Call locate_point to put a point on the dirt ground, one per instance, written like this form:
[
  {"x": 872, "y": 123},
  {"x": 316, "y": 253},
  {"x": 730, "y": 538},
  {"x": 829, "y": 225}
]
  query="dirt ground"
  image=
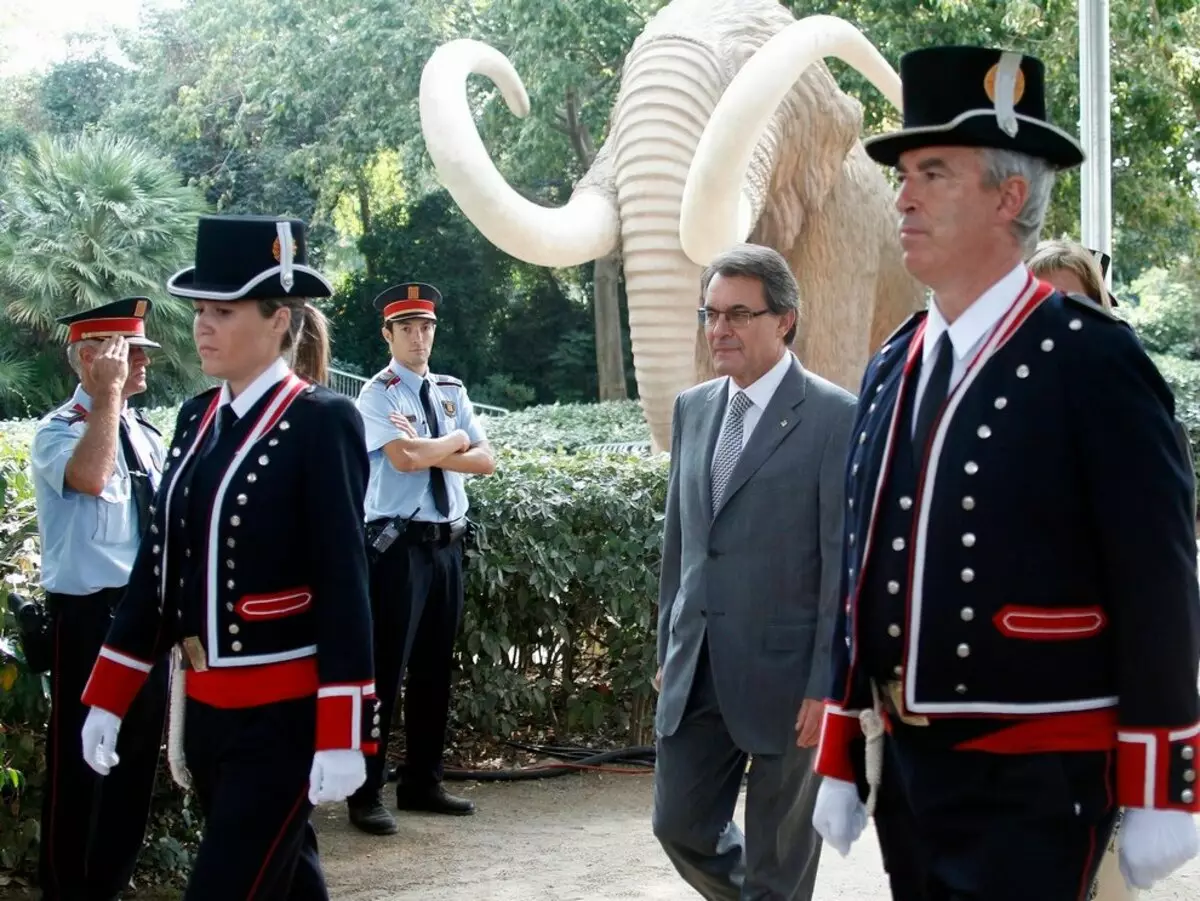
[{"x": 575, "y": 838}]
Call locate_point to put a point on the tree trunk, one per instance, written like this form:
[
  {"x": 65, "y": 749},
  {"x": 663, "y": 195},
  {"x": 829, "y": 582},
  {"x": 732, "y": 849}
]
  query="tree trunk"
[
  {"x": 364, "y": 216},
  {"x": 610, "y": 355}
]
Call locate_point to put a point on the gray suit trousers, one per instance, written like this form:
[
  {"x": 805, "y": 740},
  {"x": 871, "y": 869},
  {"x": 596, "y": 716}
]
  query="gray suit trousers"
[{"x": 697, "y": 779}]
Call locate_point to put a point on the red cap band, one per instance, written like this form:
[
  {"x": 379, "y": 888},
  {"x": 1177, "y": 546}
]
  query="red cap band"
[
  {"x": 124, "y": 327},
  {"x": 407, "y": 306}
]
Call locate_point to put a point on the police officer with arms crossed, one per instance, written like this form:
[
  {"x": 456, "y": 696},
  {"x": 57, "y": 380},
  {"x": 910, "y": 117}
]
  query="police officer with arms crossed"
[
  {"x": 423, "y": 436},
  {"x": 254, "y": 569},
  {"x": 96, "y": 463}
]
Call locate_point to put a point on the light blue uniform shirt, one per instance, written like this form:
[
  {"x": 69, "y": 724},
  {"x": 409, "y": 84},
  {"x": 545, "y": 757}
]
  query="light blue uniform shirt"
[
  {"x": 408, "y": 494},
  {"x": 88, "y": 543}
]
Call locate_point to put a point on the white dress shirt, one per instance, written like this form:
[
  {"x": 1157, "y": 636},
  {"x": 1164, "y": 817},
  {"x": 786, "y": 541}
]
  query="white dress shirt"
[
  {"x": 968, "y": 331},
  {"x": 270, "y": 377},
  {"x": 759, "y": 393}
]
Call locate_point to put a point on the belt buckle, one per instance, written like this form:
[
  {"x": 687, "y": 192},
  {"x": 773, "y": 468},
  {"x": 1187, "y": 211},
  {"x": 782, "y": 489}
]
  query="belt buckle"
[
  {"x": 193, "y": 650},
  {"x": 895, "y": 693}
]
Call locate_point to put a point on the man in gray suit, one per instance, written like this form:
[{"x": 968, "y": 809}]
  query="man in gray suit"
[{"x": 748, "y": 597}]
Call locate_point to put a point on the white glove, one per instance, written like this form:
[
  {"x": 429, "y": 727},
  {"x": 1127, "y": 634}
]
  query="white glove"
[
  {"x": 1154, "y": 844},
  {"x": 100, "y": 740},
  {"x": 838, "y": 815},
  {"x": 335, "y": 775}
]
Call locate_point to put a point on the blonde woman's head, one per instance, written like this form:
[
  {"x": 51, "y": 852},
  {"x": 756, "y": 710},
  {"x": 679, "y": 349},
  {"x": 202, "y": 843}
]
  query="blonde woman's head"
[{"x": 1071, "y": 268}]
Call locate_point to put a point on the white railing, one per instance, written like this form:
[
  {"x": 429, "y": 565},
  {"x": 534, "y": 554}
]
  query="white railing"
[{"x": 349, "y": 384}]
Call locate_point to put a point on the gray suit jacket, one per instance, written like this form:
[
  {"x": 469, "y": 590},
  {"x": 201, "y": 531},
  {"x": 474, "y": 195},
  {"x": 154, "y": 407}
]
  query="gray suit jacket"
[{"x": 760, "y": 575}]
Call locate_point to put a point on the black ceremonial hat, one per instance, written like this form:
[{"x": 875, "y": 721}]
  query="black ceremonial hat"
[
  {"x": 1103, "y": 260},
  {"x": 125, "y": 318},
  {"x": 975, "y": 97},
  {"x": 249, "y": 258},
  {"x": 412, "y": 300}
]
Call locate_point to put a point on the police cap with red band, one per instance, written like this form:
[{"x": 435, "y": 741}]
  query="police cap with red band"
[
  {"x": 125, "y": 318},
  {"x": 412, "y": 300}
]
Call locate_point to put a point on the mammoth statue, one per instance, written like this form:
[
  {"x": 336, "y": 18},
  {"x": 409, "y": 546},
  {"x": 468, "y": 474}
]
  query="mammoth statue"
[{"x": 794, "y": 177}]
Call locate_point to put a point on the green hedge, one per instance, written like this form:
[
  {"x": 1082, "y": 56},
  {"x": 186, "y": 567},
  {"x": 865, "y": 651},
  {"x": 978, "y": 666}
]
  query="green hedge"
[{"x": 558, "y": 630}]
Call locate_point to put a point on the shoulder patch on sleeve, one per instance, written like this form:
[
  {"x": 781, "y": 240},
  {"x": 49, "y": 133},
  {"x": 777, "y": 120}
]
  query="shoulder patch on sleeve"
[
  {"x": 386, "y": 379},
  {"x": 71, "y": 415}
]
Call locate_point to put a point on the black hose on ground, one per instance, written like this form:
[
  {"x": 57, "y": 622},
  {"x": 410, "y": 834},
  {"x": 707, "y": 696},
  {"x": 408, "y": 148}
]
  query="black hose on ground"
[{"x": 633, "y": 761}]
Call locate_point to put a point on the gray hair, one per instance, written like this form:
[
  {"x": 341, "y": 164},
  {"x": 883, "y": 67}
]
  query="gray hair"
[
  {"x": 73, "y": 355},
  {"x": 768, "y": 266},
  {"x": 1038, "y": 174}
]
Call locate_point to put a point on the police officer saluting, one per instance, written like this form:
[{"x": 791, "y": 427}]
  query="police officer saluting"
[
  {"x": 422, "y": 437},
  {"x": 255, "y": 570},
  {"x": 96, "y": 463}
]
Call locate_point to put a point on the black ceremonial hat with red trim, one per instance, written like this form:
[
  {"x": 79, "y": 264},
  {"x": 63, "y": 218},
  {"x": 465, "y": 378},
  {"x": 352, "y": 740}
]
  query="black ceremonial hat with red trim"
[
  {"x": 125, "y": 318},
  {"x": 250, "y": 258},
  {"x": 975, "y": 97},
  {"x": 412, "y": 300}
]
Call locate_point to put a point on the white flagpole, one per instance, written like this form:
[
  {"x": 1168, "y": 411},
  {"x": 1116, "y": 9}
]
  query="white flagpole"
[{"x": 1095, "y": 181}]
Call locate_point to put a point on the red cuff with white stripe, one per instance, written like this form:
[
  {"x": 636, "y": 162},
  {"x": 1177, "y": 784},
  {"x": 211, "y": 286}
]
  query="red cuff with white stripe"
[
  {"x": 348, "y": 717},
  {"x": 1158, "y": 768},
  {"x": 839, "y": 728},
  {"x": 115, "y": 681}
]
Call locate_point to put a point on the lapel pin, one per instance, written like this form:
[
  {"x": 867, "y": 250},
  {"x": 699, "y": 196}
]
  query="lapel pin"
[{"x": 783, "y": 423}]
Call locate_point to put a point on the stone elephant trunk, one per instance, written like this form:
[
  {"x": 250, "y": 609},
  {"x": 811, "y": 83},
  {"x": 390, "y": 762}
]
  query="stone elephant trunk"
[
  {"x": 630, "y": 197},
  {"x": 669, "y": 90}
]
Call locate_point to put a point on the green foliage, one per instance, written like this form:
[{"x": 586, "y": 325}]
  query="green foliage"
[
  {"x": 1167, "y": 312},
  {"x": 1155, "y": 109},
  {"x": 84, "y": 221},
  {"x": 559, "y": 624},
  {"x": 74, "y": 95},
  {"x": 569, "y": 427}
]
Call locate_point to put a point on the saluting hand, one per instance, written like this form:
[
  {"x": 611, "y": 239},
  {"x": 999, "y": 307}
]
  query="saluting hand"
[{"x": 110, "y": 366}]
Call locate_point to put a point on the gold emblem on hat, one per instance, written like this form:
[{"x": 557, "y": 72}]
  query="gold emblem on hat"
[
  {"x": 139, "y": 311},
  {"x": 449, "y": 407},
  {"x": 989, "y": 84},
  {"x": 275, "y": 250},
  {"x": 414, "y": 292}
]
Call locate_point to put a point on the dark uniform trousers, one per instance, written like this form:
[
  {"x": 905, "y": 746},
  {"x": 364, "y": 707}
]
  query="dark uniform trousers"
[
  {"x": 250, "y": 768},
  {"x": 93, "y": 826},
  {"x": 416, "y": 605},
  {"x": 964, "y": 825}
]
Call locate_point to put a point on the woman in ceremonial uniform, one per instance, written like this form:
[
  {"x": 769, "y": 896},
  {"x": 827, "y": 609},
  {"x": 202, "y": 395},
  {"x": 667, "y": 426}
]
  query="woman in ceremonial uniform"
[{"x": 255, "y": 569}]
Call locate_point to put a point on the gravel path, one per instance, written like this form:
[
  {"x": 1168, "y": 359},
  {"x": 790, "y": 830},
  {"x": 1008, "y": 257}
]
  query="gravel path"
[{"x": 576, "y": 838}]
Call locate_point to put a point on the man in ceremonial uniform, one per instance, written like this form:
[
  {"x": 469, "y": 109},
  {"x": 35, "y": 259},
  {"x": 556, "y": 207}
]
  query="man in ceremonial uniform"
[
  {"x": 96, "y": 462},
  {"x": 1023, "y": 616},
  {"x": 422, "y": 438}
]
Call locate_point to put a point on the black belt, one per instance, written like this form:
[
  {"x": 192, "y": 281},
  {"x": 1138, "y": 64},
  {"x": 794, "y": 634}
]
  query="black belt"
[{"x": 434, "y": 534}]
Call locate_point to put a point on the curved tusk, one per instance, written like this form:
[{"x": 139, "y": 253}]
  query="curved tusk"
[
  {"x": 585, "y": 229},
  {"x": 716, "y": 213}
]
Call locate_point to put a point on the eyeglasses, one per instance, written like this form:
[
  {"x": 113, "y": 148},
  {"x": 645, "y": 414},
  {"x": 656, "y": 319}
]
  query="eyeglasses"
[{"x": 738, "y": 317}]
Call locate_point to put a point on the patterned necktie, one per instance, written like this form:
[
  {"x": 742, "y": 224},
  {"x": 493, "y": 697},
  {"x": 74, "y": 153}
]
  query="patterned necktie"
[{"x": 729, "y": 446}]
